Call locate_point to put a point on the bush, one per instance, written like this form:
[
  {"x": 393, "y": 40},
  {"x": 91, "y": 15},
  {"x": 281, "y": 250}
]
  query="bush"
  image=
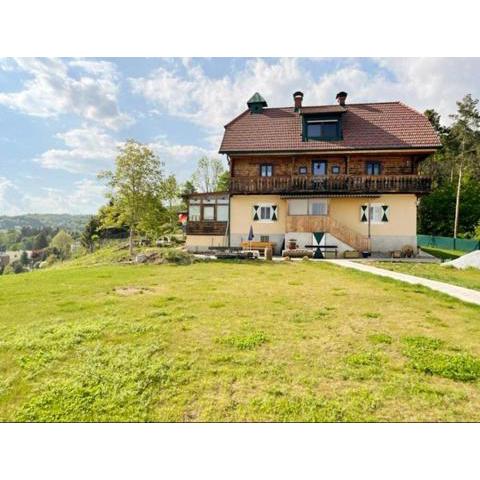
[
  {"x": 179, "y": 257},
  {"x": 13, "y": 268}
]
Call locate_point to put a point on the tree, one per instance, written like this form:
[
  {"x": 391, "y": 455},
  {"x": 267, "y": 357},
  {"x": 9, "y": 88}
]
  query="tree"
[
  {"x": 207, "y": 175},
  {"x": 224, "y": 182},
  {"x": 62, "y": 241},
  {"x": 188, "y": 188},
  {"x": 90, "y": 233},
  {"x": 465, "y": 130},
  {"x": 40, "y": 241},
  {"x": 136, "y": 179}
]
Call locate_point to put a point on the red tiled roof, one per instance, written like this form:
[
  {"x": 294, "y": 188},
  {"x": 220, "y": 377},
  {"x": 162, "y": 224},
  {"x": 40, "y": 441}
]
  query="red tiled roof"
[{"x": 366, "y": 126}]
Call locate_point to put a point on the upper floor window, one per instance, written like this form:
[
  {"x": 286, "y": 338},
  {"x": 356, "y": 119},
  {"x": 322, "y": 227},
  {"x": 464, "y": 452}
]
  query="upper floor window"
[
  {"x": 302, "y": 170},
  {"x": 335, "y": 169},
  {"x": 327, "y": 129},
  {"x": 374, "y": 168},
  {"x": 266, "y": 170}
]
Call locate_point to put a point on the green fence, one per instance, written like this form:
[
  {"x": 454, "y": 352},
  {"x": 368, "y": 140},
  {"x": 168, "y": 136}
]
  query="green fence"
[{"x": 448, "y": 243}]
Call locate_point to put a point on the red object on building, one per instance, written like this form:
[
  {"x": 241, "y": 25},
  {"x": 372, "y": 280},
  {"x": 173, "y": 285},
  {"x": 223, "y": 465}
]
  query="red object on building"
[{"x": 182, "y": 218}]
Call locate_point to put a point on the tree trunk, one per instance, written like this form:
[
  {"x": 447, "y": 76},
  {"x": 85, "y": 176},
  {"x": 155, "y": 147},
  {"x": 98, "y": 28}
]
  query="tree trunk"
[
  {"x": 130, "y": 242},
  {"x": 457, "y": 201}
]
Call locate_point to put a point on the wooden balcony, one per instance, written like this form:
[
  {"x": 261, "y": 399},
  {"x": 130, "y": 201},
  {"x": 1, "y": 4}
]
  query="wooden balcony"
[{"x": 331, "y": 184}]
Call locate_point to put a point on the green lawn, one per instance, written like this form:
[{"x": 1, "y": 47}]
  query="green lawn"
[
  {"x": 468, "y": 278},
  {"x": 233, "y": 342}
]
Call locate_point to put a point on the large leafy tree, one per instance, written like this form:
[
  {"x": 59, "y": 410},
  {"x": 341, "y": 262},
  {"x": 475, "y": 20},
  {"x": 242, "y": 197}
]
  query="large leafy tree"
[
  {"x": 62, "y": 241},
  {"x": 465, "y": 131},
  {"x": 136, "y": 180}
]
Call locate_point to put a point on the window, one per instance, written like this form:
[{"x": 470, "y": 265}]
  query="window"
[
  {"x": 208, "y": 213},
  {"x": 222, "y": 213},
  {"x": 374, "y": 168},
  {"x": 302, "y": 170},
  {"x": 378, "y": 213},
  {"x": 265, "y": 213},
  {"x": 264, "y": 238},
  {"x": 266, "y": 170},
  {"x": 318, "y": 207},
  {"x": 323, "y": 129},
  {"x": 194, "y": 213},
  {"x": 335, "y": 169},
  {"x": 319, "y": 167}
]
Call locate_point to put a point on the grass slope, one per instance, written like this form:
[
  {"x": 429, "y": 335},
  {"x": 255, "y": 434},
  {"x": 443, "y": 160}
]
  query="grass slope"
[
  {"x": 468, "y": 278},
  {"x": 233, "y": 342}
]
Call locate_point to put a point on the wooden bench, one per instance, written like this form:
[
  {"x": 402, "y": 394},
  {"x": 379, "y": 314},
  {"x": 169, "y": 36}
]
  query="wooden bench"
[
  {"x": 318, "y": 250},
  {"x": 260, "y": 246}
]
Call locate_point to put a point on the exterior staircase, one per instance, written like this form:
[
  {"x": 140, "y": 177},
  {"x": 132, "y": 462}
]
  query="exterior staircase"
[{"x": 325, "y": 223}]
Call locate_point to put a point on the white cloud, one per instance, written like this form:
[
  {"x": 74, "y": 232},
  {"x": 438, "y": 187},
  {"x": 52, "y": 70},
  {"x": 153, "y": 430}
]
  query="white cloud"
[
  {"x": 53, "y": 89},
  {"x": 9, "y": 198},
  {"x": 180, "y": 160},
  {"x": 89, "y": 149},
  {"x": 85, "y": 196},
  {"x": 209, "y": 102}
]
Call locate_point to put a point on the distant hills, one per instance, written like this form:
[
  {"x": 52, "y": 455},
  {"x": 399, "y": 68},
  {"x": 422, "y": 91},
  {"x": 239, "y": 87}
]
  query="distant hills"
[{"x": 72, "y": 223}]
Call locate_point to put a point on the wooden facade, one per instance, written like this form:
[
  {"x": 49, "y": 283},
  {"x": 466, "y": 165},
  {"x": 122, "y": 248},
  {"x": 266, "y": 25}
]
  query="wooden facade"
[{"x": 343, "y": 174}]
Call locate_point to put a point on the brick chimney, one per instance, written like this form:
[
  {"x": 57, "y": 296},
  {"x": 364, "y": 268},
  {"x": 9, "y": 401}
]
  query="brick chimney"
[
  {"x": 298, "y": 97},
  {"x": 341, "y": 97}
]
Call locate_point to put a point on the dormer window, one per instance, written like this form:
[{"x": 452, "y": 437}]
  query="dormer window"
[{"x": 322, "y": 127}]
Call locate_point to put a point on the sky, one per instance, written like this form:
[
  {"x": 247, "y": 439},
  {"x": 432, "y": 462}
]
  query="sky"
[{"x": 62, "y": 120}]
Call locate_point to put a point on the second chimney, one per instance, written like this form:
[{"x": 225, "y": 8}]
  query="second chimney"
[
  {"x": 298, "y": 97},
  {"x": 341, "y": 97}
]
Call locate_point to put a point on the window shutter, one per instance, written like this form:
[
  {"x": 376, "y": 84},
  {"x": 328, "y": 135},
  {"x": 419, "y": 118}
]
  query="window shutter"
[
  {"x": 364, "y": 213},
  {"x": 385, "y": 213},
  {"x": 256, "y": 213},
  {"x": 274, "y": 213}
]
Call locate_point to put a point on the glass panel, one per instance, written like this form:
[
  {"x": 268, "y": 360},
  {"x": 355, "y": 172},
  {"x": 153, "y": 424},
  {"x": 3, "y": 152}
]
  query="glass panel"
[
  {"x": 373, "y": 168},
  {"x": 302, "y": 170},
  {"x": 265, "y": 213},
  {"x": 319, "y": 168},
  {"x": 266, "y": 170},
  {"x": 208, "y": 199},
  {"x": 222, "y": 213},
  {"x": 318, "y": 207},
  {"x": 298, "y": 207},
  {"x": 335, "y": 169},
  {"x": 325, "y": 129},
  {"x": 208, "y": 213},
  {"x": 194, "y": 213},
  {"x": 194, "y": 201}
]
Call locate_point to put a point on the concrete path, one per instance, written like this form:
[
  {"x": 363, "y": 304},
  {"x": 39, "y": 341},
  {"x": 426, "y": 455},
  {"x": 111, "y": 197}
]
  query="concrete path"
[{"x": 465, "y": 294}]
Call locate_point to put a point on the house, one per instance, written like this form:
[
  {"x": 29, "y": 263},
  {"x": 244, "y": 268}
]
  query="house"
[{"x": 342, "y": 174}]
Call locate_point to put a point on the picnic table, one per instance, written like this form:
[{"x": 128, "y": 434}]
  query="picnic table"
[{"x": 318, "y": 250}]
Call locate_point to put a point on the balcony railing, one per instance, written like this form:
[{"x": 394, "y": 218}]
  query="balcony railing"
[{"x": 331, "y": 184}]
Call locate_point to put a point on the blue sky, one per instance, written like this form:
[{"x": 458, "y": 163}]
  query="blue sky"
[{"x": 61, "y": 120}]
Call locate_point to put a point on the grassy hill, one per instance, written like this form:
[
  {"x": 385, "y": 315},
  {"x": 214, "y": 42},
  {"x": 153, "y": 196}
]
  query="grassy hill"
[
  {"x": 233, "y": 342},
  {"x": 72, "y": 223}
]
